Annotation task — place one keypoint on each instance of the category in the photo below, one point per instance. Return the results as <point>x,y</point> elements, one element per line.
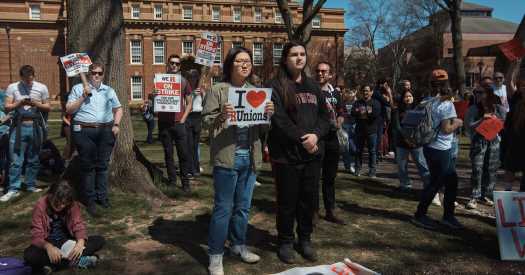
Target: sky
<point>510,10</point>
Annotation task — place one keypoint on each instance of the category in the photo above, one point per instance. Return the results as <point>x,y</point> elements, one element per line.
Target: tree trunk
<point>457,42</point>
<point>97,27</point>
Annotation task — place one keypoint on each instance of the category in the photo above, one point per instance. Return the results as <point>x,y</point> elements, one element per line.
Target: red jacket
<point>40,224</point>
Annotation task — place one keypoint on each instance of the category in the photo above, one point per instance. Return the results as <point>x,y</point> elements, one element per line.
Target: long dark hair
<point>284,76</point>
<point>402,105</point>
<point>228,63</point>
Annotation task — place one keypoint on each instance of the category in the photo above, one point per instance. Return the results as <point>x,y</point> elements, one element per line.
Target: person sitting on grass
<point>58,233</point>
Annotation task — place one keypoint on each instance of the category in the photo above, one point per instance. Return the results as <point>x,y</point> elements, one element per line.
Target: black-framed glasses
<point>97,73</point>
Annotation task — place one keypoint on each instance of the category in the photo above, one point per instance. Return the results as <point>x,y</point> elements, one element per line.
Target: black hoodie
<point>308,115</point>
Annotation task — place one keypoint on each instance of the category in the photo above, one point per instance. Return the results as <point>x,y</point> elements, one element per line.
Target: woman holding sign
<point>234,151</point>
<point>301,119</point>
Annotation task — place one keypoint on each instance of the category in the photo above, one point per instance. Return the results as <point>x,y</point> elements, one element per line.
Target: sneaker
<point>246,256</point>
<point>487,201</point>
<point>190,176</point>
<point>257,183</point>
<point>34,190</point>
<point>201,170</point>
<point>186,188</point>
<point>306,250</point>
<point>334,219</point>
<point>47,270</point>
<point>351,170</point>
<point>436,201</point>
<point>424,221</point>
<point>372,175</point>
<point>286,253</point>
<point>87,261</point>
<point>472,204</point>
<point>9,195</point>
<point>215,267</point>
<point>452,223</point>
<point>357,173</point>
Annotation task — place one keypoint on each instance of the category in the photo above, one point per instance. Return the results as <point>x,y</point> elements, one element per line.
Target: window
<point>450,51</point>
<point>136,51</point>
<point>187,13</point>
<point>257,53</point>
<point>157,12</point>
<point>316,22</point>
<point>258,15</point>
<point>218,54</point>
<point>215,13</point>
<point>187,47</point>
<point>34,12</point>
<point>237,14</point>
<point>277,52</point>
<point>158,52</point>
<point>136,87</point>
<point>135,11</point>
<point>278,16</point>
<point>215,80</point>
<point>236,44</point>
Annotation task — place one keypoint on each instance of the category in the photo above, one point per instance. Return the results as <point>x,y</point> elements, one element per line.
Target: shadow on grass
<point>192,235</point>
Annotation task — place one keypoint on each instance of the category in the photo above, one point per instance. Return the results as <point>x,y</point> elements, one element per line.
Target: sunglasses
<point>498,77</point>
<point>97,73</point>
<point>174,63</point>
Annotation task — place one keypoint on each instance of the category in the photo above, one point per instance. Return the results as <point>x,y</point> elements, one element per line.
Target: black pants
<point>297,197</point>
<point>175,134</point>
<point>330,164</point>
<point>442,173</point>
<point>94,147</point>
<point>193,126</point>
<point>37,257</point>
<point>151,126</point>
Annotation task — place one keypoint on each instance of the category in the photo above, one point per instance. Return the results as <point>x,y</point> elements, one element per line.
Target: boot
<point>286,253</point>
<point>307,251</point>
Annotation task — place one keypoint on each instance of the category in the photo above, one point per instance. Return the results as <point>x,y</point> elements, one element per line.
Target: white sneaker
<point>9,195</point>
<point>201,170</point>
<point>352,170</point>
<point>34,190</point>
<point>215,267</point>
<point>436,201</point>
<point>257,183</point>
<point>245,254</point>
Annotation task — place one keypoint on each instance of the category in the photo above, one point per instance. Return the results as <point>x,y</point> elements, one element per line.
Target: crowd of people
<point>308,116</point>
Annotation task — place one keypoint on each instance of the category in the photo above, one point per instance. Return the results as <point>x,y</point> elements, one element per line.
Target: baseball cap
<point>439,75</point>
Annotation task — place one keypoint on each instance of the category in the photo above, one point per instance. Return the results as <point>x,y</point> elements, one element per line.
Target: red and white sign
<point>207,49</point>
<point>510,220</point>
<point>76,63</point>
<point>513,49</point>
<point>168,93</point>
<point>249,105</point>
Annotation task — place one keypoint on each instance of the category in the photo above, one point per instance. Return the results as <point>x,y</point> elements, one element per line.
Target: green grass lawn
<point>171,239</point>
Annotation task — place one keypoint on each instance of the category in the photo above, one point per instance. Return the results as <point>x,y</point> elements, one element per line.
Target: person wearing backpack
<point>405,148</point>
<point>28,99</point>
<point>367,112</point>
<point>484,149</point>
<point>439,156</point>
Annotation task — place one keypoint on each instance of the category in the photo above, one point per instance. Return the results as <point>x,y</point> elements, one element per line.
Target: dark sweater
<point>367,122</point>
<point>308,115</point>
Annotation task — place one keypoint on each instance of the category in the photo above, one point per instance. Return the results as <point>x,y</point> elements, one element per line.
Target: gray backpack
<point>417,125</point>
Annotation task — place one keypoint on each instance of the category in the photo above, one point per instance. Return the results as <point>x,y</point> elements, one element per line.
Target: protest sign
<point>76,63</point>
<point>248,105</point>
<point>346,268</point>
<point>510,220</point>
<point>207,48</point>
<point>168,93</point>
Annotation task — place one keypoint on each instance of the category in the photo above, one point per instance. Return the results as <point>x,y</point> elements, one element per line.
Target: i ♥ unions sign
<point>510,220</point>
<point>249,104</point>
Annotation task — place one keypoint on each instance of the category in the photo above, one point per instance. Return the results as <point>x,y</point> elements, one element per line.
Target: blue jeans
<point>233,197</point>
<point>442,173</point>
<point>349,153</point>
<point>402,164</point>
<point>371,140</point>
<point>94,147</point>
<point>17,159</point>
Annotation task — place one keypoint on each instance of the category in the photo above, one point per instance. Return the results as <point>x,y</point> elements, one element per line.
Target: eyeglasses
<point>175,63</point>
<point>97,73</point>
<point>499,77</point>
<point>243,62</point>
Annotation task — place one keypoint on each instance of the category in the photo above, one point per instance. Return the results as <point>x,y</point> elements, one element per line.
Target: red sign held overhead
<point>513,49</point>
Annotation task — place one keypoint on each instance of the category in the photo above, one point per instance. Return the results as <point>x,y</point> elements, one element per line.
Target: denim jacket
<point>223,138</point>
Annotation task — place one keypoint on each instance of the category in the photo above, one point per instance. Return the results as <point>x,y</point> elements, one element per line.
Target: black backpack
<point>417,125</point>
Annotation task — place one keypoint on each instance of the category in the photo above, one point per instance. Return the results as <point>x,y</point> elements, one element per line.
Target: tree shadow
<point>192,236</point>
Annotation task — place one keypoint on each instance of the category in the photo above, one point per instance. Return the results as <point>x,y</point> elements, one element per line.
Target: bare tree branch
<point>310,17</point>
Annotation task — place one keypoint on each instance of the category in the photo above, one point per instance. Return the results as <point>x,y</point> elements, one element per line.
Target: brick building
<point>432,45</point>
<point>155,29</point>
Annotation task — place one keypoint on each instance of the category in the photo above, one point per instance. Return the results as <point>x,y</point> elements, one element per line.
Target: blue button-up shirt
<point>98,108</point>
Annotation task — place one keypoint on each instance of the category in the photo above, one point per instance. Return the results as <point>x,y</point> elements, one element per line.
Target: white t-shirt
<point>442,110</point>
<point>197,103</point>
<point>19,91</point>
<point>502,93</point>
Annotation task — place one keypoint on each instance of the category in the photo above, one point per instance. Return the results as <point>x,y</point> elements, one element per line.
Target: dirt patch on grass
<point>143,246</point>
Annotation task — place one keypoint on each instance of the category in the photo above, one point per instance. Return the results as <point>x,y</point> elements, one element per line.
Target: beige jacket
<point>222,138</point>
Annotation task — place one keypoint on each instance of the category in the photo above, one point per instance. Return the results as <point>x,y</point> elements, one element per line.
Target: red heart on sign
<point>255,98</point>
